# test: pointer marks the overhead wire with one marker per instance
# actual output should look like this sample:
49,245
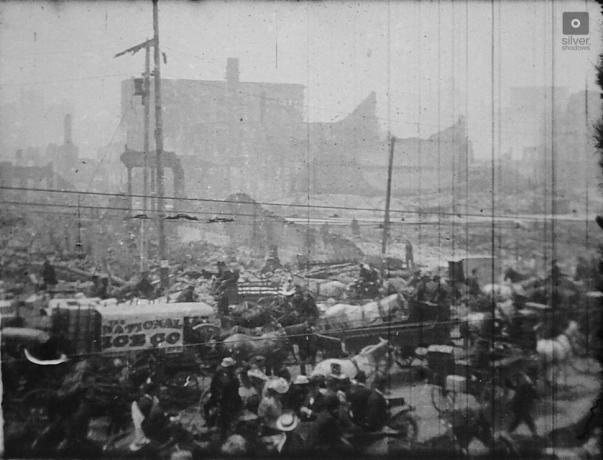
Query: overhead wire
421,212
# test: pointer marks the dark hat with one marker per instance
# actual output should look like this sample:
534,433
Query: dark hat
361,377
317,379
331,402
380,382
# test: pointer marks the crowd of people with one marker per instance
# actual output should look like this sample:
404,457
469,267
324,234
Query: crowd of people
248,412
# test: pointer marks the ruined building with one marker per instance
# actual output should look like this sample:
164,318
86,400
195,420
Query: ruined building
251,137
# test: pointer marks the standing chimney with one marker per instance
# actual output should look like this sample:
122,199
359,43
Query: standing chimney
67,128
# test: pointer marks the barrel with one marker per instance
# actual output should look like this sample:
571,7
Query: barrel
456,383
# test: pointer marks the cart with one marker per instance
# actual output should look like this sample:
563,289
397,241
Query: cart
454,379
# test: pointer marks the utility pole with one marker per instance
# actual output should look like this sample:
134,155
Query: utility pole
145,93
392,141
163,262
145,100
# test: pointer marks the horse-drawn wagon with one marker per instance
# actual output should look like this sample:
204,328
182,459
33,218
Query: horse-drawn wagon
485,377
405,325
90,326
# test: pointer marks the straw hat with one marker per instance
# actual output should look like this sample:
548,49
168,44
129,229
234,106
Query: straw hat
280,385
287,421
228,362
248,416
301,380
258,374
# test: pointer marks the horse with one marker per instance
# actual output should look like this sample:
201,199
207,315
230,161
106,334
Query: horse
251,315
394,286
368,360
273,346
555,353
514,276
376,312
500,292
332,289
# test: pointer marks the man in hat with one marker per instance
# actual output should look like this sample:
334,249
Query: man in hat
376,406
226,289
324,433
420,292
288,287
298,391
49,275
144,289
188,295
473,283
358,395
258,379
314,399
248,426
150,422
290,442
555,280
408,252
247,389
102,290
522,404
225,399
304,305
271,405
366,274
415,279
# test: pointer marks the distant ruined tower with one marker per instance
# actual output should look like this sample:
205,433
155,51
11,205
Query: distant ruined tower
67,130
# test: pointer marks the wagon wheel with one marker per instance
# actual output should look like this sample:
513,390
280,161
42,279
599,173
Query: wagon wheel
442,400
406,424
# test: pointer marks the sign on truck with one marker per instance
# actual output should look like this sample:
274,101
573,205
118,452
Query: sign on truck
138,327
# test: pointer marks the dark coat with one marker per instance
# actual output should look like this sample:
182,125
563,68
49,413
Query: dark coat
294,444
155,424
48,274
523,400
305,306
224,390
314,401
358,396
144,288
295,397
324,432
376,412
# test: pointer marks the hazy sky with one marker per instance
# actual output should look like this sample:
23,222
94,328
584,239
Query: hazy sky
413,55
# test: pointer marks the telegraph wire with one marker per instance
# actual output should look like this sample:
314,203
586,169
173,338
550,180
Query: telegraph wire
308,206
